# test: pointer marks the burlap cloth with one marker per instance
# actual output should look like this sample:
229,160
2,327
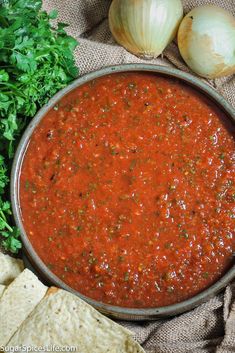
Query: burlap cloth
210,327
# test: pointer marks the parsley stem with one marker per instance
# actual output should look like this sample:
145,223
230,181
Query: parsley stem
3,219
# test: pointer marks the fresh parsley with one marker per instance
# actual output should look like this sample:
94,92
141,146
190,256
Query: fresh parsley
36,60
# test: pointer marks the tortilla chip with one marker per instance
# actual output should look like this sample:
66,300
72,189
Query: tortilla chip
63,319
10,268
2,288
17,302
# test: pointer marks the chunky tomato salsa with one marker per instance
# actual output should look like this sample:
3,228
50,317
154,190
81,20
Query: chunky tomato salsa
127,190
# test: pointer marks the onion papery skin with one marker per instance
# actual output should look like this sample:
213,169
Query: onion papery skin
206,40
145,27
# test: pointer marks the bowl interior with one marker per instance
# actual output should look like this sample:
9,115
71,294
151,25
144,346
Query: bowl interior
36,262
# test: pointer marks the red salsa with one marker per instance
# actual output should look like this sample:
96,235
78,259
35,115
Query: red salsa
127,190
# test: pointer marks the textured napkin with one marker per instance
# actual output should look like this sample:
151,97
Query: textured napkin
211,326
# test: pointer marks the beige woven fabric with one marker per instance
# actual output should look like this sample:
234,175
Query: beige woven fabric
210,327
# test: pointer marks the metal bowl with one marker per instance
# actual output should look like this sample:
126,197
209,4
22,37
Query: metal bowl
31,255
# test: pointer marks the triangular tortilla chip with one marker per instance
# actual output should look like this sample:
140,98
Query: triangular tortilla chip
17,302
10,268
63,319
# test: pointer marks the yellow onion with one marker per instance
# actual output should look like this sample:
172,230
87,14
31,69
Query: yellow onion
206,41
145,27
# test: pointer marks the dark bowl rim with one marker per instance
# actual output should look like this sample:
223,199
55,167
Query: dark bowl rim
111,310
